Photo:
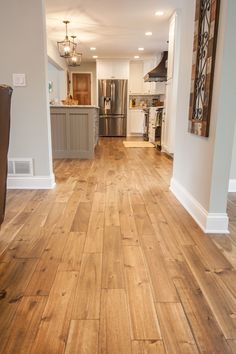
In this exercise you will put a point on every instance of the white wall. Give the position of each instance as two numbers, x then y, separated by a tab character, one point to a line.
202	165
224	108
23	37
87	68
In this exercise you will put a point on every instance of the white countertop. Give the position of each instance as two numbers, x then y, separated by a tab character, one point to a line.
141	109
72	106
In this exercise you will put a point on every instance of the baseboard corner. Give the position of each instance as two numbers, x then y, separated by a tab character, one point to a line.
210	223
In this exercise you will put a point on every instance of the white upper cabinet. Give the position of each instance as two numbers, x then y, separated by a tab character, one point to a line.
136	81
112	69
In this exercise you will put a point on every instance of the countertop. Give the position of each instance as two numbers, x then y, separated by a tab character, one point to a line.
73	106
143	108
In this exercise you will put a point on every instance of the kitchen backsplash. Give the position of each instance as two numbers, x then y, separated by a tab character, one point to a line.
143	101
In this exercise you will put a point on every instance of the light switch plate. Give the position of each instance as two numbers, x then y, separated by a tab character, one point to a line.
19	80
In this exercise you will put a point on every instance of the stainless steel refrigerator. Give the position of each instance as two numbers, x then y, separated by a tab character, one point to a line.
112	96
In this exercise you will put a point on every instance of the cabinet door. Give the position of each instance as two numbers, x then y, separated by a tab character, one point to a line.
59	133
136	78
111	69
104	69
136	122
120	69
78	131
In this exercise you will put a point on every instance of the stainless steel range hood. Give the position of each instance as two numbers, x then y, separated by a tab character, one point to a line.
159	74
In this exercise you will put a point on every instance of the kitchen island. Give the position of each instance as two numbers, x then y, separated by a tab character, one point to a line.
74	131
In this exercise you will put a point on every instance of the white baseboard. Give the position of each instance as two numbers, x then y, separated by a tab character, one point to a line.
164	148
232	185
34	182
210	223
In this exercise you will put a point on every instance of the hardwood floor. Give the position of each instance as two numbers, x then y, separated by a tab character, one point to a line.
109	262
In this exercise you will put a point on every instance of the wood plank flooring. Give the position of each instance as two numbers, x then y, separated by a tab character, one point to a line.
109	262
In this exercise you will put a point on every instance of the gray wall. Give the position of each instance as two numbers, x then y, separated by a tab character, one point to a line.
202	165
23	38
87	68
58	78
55	58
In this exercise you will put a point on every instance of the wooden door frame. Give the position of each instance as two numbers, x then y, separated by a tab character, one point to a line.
91	81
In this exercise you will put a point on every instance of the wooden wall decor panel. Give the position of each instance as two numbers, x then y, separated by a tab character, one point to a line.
204	52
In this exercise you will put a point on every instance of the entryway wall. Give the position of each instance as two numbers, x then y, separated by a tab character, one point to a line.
202	165
25	52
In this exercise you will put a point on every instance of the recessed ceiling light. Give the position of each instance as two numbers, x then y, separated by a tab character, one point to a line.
95	56
141	49
136	57
92	48
148	33
159	13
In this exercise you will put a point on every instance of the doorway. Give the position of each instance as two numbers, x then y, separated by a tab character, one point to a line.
81	88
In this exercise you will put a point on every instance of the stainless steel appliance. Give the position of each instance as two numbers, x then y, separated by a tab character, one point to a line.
146	124
155	126
113	107
158	130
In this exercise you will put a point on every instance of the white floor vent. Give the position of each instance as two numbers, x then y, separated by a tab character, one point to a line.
20	167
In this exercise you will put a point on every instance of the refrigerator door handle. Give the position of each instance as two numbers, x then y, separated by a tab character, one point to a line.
112	94
112	116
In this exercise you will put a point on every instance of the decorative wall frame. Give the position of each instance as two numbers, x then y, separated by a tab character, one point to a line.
204	52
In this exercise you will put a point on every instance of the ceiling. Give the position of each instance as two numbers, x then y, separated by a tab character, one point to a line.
116	28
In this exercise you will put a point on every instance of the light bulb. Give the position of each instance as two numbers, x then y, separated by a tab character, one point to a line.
66	49
74	59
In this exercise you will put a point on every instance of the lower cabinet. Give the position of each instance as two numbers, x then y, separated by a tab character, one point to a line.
74	132
136	119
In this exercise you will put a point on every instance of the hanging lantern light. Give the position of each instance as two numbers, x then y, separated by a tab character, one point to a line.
75	57
65	47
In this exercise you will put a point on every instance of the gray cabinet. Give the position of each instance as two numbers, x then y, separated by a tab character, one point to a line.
74	131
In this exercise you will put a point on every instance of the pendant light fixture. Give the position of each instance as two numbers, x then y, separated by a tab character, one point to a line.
65	47
75	58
